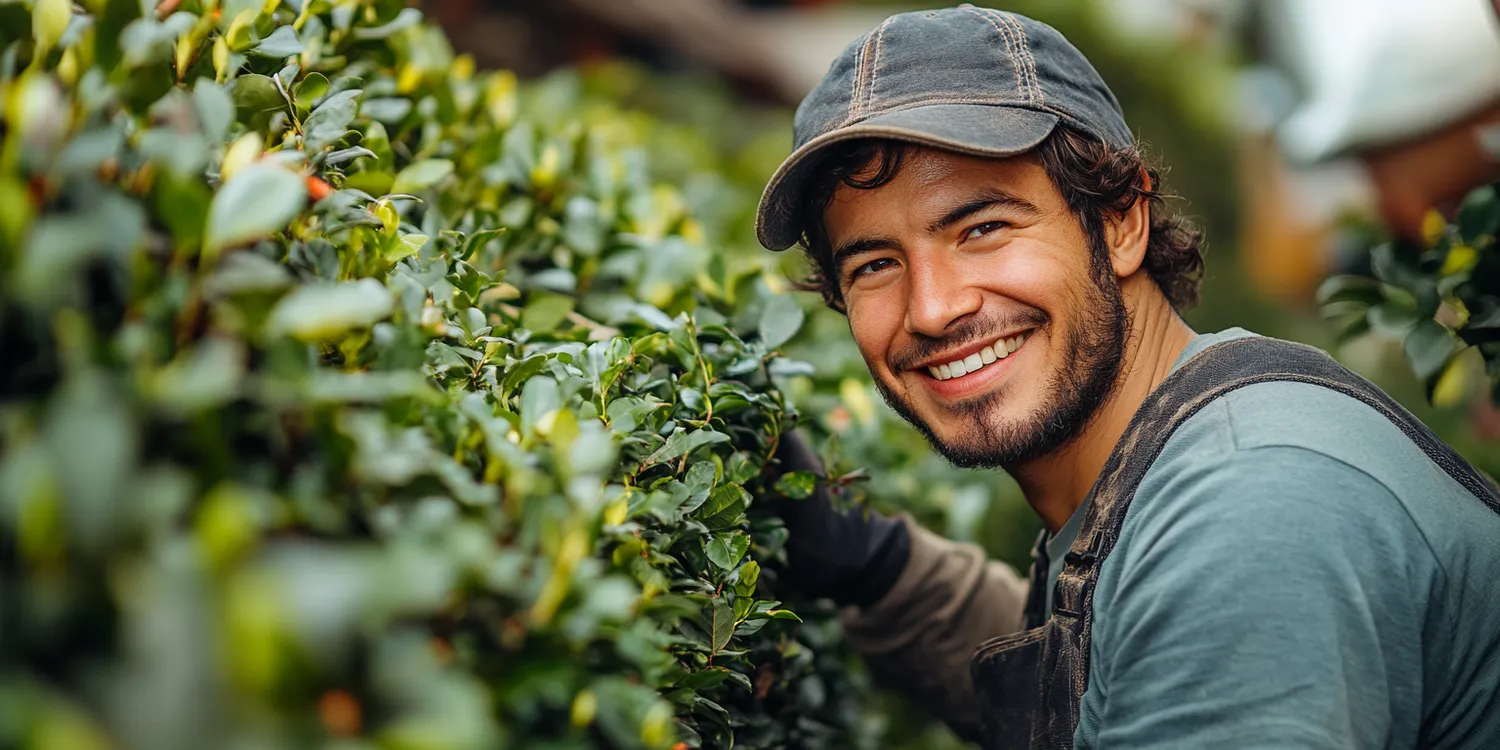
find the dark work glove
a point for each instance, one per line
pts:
(852, 557)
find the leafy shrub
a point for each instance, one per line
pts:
(1442, 297)
(344, 405)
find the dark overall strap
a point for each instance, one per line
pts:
(1031, 683)
(1214, 372)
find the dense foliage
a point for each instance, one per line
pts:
(348, 404)
(1442, 298)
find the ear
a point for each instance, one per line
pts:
(1127, 234)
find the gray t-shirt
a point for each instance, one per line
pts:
(1295, 572)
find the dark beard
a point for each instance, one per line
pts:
(1071, 400)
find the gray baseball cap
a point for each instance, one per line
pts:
(970, 80)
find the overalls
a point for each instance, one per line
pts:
(1030, 683)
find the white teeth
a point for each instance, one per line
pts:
(960, 367)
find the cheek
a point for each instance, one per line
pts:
(874, 326)
(1025, 272)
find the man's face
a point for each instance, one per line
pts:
(984, 315)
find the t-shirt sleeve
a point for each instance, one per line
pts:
(1267, 598)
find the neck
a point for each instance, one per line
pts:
(1057, 483)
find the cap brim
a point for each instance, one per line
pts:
(976, 129)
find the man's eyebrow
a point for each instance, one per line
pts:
(859, 245)
(983, 199)
(986, 198)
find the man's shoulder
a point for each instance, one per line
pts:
(1276, 454)
(1306, 424)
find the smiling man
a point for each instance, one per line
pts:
(1246, 545)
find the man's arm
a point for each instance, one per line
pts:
(923, 633)
(916, 605)
(1267, 598)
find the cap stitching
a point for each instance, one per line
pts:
(1019, 52)
(875, 64)
(1009, 49)
(859, 74)
(865, 66)
(1036, 84)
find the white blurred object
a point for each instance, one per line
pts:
(1381, 71)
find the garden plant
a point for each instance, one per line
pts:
(348, 404)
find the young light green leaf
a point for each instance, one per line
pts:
(259, 200)
(797, 484)
(310, 89)
(321, 311)
(421, 175)
(407, 18)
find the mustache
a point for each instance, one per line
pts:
(967, 332)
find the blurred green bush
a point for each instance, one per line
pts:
(1440, 298)
(354, 399)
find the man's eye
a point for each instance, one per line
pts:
(980, 230)
(879, 264)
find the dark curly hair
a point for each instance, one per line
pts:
(1095, 179)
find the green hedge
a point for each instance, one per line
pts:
(347, 404)
(1441, 298)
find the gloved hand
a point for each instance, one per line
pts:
(852, 556)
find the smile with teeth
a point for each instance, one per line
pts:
(980, 359)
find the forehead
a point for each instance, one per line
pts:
(929, 183)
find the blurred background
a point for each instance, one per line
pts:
(1297, 133)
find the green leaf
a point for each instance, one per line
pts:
(310, 89)
(330, 121)
(1479, 215)
(725, 507)
(625, 414)
(407, 18)
(780, 320)
(700, 477)
(215, 110)
(1358, 289)
(1428, 347)
(583, 225)
(705, 679)
(721, 625)
(323, 310)
(539, 397)
(725, 550)
(255, 93)
(259, 200)
(797, 484)
(545, 312)
(421, 175)
(683, 442)
(280, 43)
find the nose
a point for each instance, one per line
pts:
(939, 295)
